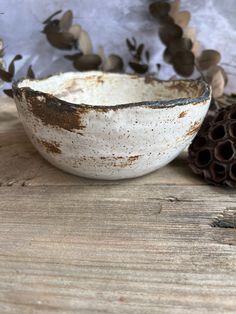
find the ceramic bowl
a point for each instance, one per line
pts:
(110, 126)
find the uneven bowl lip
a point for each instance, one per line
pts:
(151, 104)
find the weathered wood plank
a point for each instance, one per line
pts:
(72, 245)
(116, 249)
(20, 164)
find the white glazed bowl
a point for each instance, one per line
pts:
(110, 126)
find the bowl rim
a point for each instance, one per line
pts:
(206, 94)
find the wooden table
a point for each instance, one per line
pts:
(73, 245)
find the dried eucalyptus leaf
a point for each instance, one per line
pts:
(196, 48)
(174, 8)
(11, 68)
(87, 62)
(159, 9)
(167, 56)
(190, 32)
(134, 42)
(183, 62)
(52, 27)
(114, 63)
(139, 52)
(166, 20)
(51, 16)
(30, 73)
(168, 32)
(8, 92)
(66, 21)
(208, 58)
(85, 44)
(73, 57)
(5, 76)
(130, 46)
(147, 55)
(138, 67)
(179, 44)
(75, 31)
(217, 81)
(182, 18)
(64, 40)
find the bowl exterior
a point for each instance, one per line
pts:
(107, 143)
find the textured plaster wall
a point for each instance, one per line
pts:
(109, 24)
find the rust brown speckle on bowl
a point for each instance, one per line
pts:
(182, 114)
(51, 147)
(109, 125)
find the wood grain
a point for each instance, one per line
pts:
(72, 245)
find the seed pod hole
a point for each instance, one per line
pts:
(218, 172)
(203, 158)
(233, 171)
(220, 116)
(224, 151)
(199, 142)
(232, 129)
(233, 115)
(217, 132)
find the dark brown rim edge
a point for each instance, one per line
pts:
(151, 104)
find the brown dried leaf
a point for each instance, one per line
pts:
(190, 32)
(159, 9)
(52, 27)
(168, 32)
(217, 78)
(51, 16)
(87, 62)
(75, 31)
(182, 18)
(130, 46)
(73, 57)
(5, 76)
(178, 44)
(139, 52)
(167, 56)
(8, 92)
(183, 62)
(85, 44)
(64, 41)
(66, 21)
(208, 58)
(113, 63)
(174, 8)
(30, 73)
(11, 68)
(158, 65)
(196, 48)
(138, 67)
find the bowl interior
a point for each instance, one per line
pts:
(110, 89)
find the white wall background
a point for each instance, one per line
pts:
(109, 23)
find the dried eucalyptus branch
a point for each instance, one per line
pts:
(64, 35)
(8, 75)
(183, 49)
(138, 53)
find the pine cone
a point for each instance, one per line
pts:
(212, 153)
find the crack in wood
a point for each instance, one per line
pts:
(227, 219)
